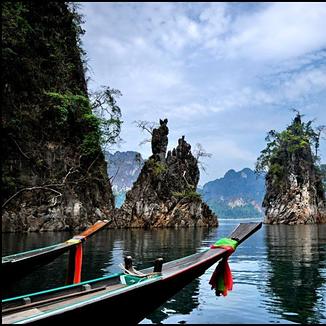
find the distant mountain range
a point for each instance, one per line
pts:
(123, 169)
(237, 194)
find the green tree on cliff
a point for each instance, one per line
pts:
(297, 144)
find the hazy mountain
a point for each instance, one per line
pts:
(237, 194)
(123, 170)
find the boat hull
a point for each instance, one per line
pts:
(17, 266)
(114, 299)
(133, 305)
(12, 271)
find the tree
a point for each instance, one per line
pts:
(104, 106)
(146, 126)
(299, 141)
(199, 153)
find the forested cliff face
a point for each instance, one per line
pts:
(53, 171)
(295, 192)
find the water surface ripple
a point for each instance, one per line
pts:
(279, 273)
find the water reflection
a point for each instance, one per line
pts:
(296, 256)
(184, 302)
(169, 244)
(44, 277)
(279, 273)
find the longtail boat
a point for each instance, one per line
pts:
(122, 298)
(18, 265)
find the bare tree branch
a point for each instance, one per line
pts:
(20, 148)
(147, 126)
(200, 152)
(93, 162)
(112, 178)
(66, 176)
(29, 189)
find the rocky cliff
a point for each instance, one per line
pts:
(294, 187)
(54, 173)
(164, 194)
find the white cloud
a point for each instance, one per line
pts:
(279, 32)
(230, 149)
(305, 82)
(212, 68)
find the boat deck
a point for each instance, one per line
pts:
(177, 265)
(15, 314)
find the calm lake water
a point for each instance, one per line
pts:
(279, 273)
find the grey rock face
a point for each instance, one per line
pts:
(78, 202)
(160, 140)
(164, 193)
(301, 200)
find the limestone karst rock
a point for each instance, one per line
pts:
(48, 182)
(164, 194)
(294, 188)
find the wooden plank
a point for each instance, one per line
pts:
(60, 298)
(244, 231)
(10, 319)
(51, 300)
(77, 299)
(92, 229)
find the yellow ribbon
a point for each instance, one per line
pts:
(73, 241)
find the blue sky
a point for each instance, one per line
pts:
(224, 74)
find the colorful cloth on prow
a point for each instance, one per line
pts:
(221, 280)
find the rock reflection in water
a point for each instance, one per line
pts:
(296, 257)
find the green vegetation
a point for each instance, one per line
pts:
(90, 116)
(188, 194)
(68, 105)
(299, 142)
(223, 210)
(108, 114)
(158, 168)
(45, 101)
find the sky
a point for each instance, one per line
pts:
(223, 74)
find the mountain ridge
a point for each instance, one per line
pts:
(236, 194)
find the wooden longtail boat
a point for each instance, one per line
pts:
(119, 298)
(18, 265)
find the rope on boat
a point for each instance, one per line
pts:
(134, 272)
